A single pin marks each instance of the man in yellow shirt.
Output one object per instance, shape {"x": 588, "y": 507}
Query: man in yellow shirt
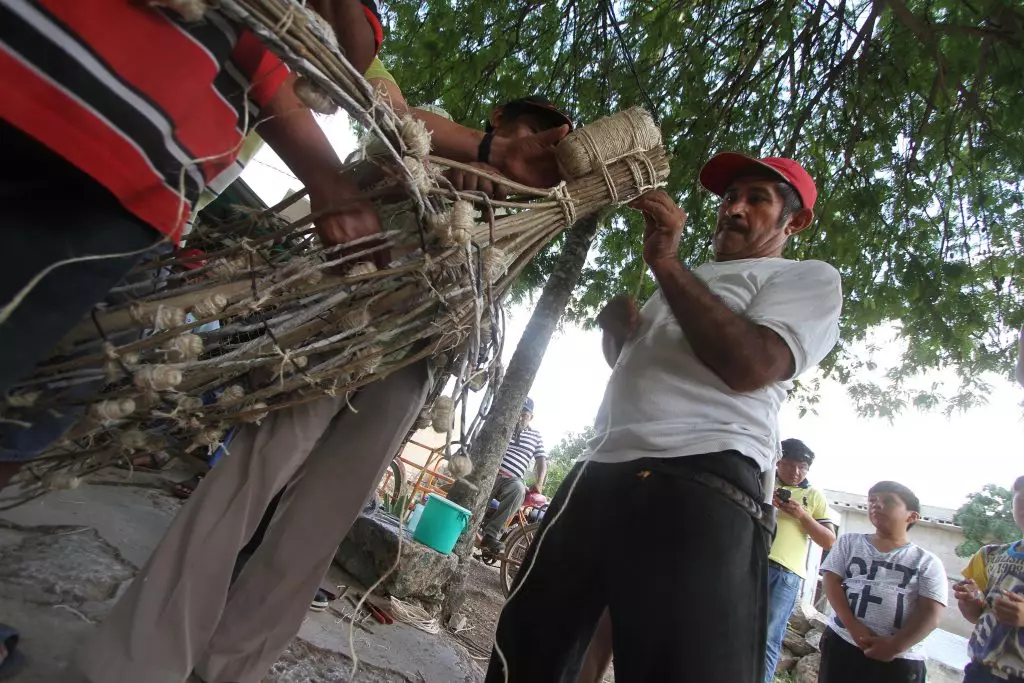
{"x": 803, "y": 514}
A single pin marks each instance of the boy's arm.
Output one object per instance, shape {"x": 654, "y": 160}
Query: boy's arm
{"x": 968, "y": 601}
{"x": 818, "y": 532}
{"x": 837, "y": 598}
{"x": 923, "y": 621}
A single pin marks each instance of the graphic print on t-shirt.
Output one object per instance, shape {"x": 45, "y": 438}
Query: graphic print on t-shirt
{"x": 883, "y": 587}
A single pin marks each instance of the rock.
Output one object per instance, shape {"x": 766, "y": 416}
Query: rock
{"x": 807, "y": 668}
{"x": 787, "y": 660}
{"x": 813, "y": 639}
{"x": 457, "y": 622}
{"x": 369, "y": 550}
{"x": 64, "y": 568}
{"x": 796, "y": 644}
{"x": 801, "y": 618}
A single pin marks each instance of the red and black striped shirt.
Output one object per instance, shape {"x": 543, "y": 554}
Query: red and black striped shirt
{"x": 152, "y": 107}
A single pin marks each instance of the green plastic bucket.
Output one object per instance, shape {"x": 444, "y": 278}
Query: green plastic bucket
{"x": 441, "y": 524}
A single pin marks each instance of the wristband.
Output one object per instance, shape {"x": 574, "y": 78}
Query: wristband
{"x": 483, "y": 153}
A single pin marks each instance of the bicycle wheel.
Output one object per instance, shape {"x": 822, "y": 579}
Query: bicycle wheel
{"x": 390, "y": 486}
{"x": 516, "y": 545}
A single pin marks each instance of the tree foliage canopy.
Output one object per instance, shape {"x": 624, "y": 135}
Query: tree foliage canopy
{"x": 563, "y": 456}
{"x": 907, "y": 112}
{"x": 986, "y": 517}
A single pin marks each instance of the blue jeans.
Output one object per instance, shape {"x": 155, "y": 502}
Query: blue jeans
{"x": 976, "y": 673}
{"x": 783, "y": 587}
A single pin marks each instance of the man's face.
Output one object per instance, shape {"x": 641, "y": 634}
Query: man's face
{"x": 524, "y": 419}
{"x": 521, "y": 125}
{"x": 792, "y": 472}
{"x": 748, "y": 221}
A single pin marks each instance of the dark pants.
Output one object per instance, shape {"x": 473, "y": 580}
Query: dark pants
{"x": 51, "y": 211}
{"x": 680, "y": 567}
{"x": 978, "y": 673}
{"x": 844, "y": 663}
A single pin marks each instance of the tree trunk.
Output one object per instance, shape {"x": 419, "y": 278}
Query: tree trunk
{"x": 492, "y": 440}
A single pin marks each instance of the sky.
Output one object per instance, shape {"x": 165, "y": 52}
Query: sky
{"x": 941, "y": 459}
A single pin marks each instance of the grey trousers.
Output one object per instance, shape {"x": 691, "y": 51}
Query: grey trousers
{"x": 510, "y": 494}
{"x": 179, "y": 615}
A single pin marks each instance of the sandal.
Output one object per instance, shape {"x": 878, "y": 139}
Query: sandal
{"x": 14, "y": 662}
{"x": 146, "y": 462}
{"x": 184, "y": 489}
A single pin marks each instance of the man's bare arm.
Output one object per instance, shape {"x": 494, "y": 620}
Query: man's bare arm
{"x": 355, "y": 35}
{"x": 746, "y": 356}
{"x": 530, "y": 160}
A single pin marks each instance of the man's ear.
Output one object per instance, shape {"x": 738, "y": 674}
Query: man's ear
{"x": 799, "y": 221}
{"x": 495, "y": 118}
{"x": 913, "y": 517}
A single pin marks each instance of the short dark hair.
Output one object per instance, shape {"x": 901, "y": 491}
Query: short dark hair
{"x": 795, "y": 449}
{"x": 908, "y": 497}
{"x": 791, "y": 202}
{"x": 1018, "y": 485}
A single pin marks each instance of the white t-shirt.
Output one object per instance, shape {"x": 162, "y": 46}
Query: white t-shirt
{"x": 883, "y": 588}
{"x": 662, "y": 401}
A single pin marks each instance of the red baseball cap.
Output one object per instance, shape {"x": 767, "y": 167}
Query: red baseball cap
{"x": 195, "y": 261}
{"x": 723, "y": 168}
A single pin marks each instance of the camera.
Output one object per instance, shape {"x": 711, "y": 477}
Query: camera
{"x": 783, "y": 494}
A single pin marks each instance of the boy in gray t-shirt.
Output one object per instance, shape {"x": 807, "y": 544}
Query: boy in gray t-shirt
{"x": 887, "y": 595}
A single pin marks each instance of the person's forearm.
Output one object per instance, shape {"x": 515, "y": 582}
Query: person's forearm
{"x": 294, "y": 134}
{"x": 970, "y": 609}
{"x": 541, "y": 474}
{"x": 611, "y": 347}
{"x": 447, "y": 138}
{"x": 734, "y": 348}
{"x": 837, "y": 598}
{"x": 923, "y": 621}
{"x": 818, "y": 532}
{"x": 352, "y": 28}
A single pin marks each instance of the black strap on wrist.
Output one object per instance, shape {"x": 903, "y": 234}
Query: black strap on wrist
{"x": 483, "y": 153}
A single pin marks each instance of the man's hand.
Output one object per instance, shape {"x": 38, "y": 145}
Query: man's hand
{"x": 619, "y": 317}
{"x": 1009, "y": 608}
{"x": 529, "y": 160}
{"x": 533, "y": 489}
{"x": 464, "y": 181}
{"x": 346, "y": 220}
{"x": 663, "y": 226}
{"x": 790, "y": 507}
{"x": 883, "y": 649}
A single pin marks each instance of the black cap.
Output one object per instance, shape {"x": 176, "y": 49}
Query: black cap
{"x": 538, "y": 104}
{"x": 795, "y": 449}
{"x": 528, "y": 406}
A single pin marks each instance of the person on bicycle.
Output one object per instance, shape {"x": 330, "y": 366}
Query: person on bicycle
{"x": 526, "y": 447}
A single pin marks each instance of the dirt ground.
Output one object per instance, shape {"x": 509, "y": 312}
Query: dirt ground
{"x": 484, "y": 599}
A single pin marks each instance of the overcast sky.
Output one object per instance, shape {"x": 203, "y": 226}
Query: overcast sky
{"x": 941, "y": 459}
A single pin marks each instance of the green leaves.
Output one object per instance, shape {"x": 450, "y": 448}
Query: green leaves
{"x": 907, "y": 113}
{"x": 986, "y": 517}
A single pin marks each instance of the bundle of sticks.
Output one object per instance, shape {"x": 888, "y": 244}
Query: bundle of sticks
{"x": 295, "y": 320}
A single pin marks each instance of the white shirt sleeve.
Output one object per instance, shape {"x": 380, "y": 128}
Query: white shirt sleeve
{"x": 836, "y": 560}
{"x": 931, "y": 582}
{"x": 802, "y": 304}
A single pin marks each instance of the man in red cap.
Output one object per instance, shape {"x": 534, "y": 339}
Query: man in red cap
{"x": 667, "y": 526}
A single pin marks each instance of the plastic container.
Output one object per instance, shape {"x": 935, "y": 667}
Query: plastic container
{"x": 441, "y": 524}
{"x": 414, "y": 518}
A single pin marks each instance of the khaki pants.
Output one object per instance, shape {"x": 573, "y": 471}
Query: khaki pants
{"x": 178, "y": 614}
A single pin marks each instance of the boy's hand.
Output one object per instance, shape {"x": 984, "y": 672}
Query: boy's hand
{"x": 883, "y": 649}
{"x": 968, "y": 591}
{"x": 861, "y": 634}
{"x": 1009, "y": 608}
{"x": 464, "y": 181}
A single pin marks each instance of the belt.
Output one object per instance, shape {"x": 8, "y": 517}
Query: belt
{"x": 735, "y": 495}
{"x": 773, "y": 563}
